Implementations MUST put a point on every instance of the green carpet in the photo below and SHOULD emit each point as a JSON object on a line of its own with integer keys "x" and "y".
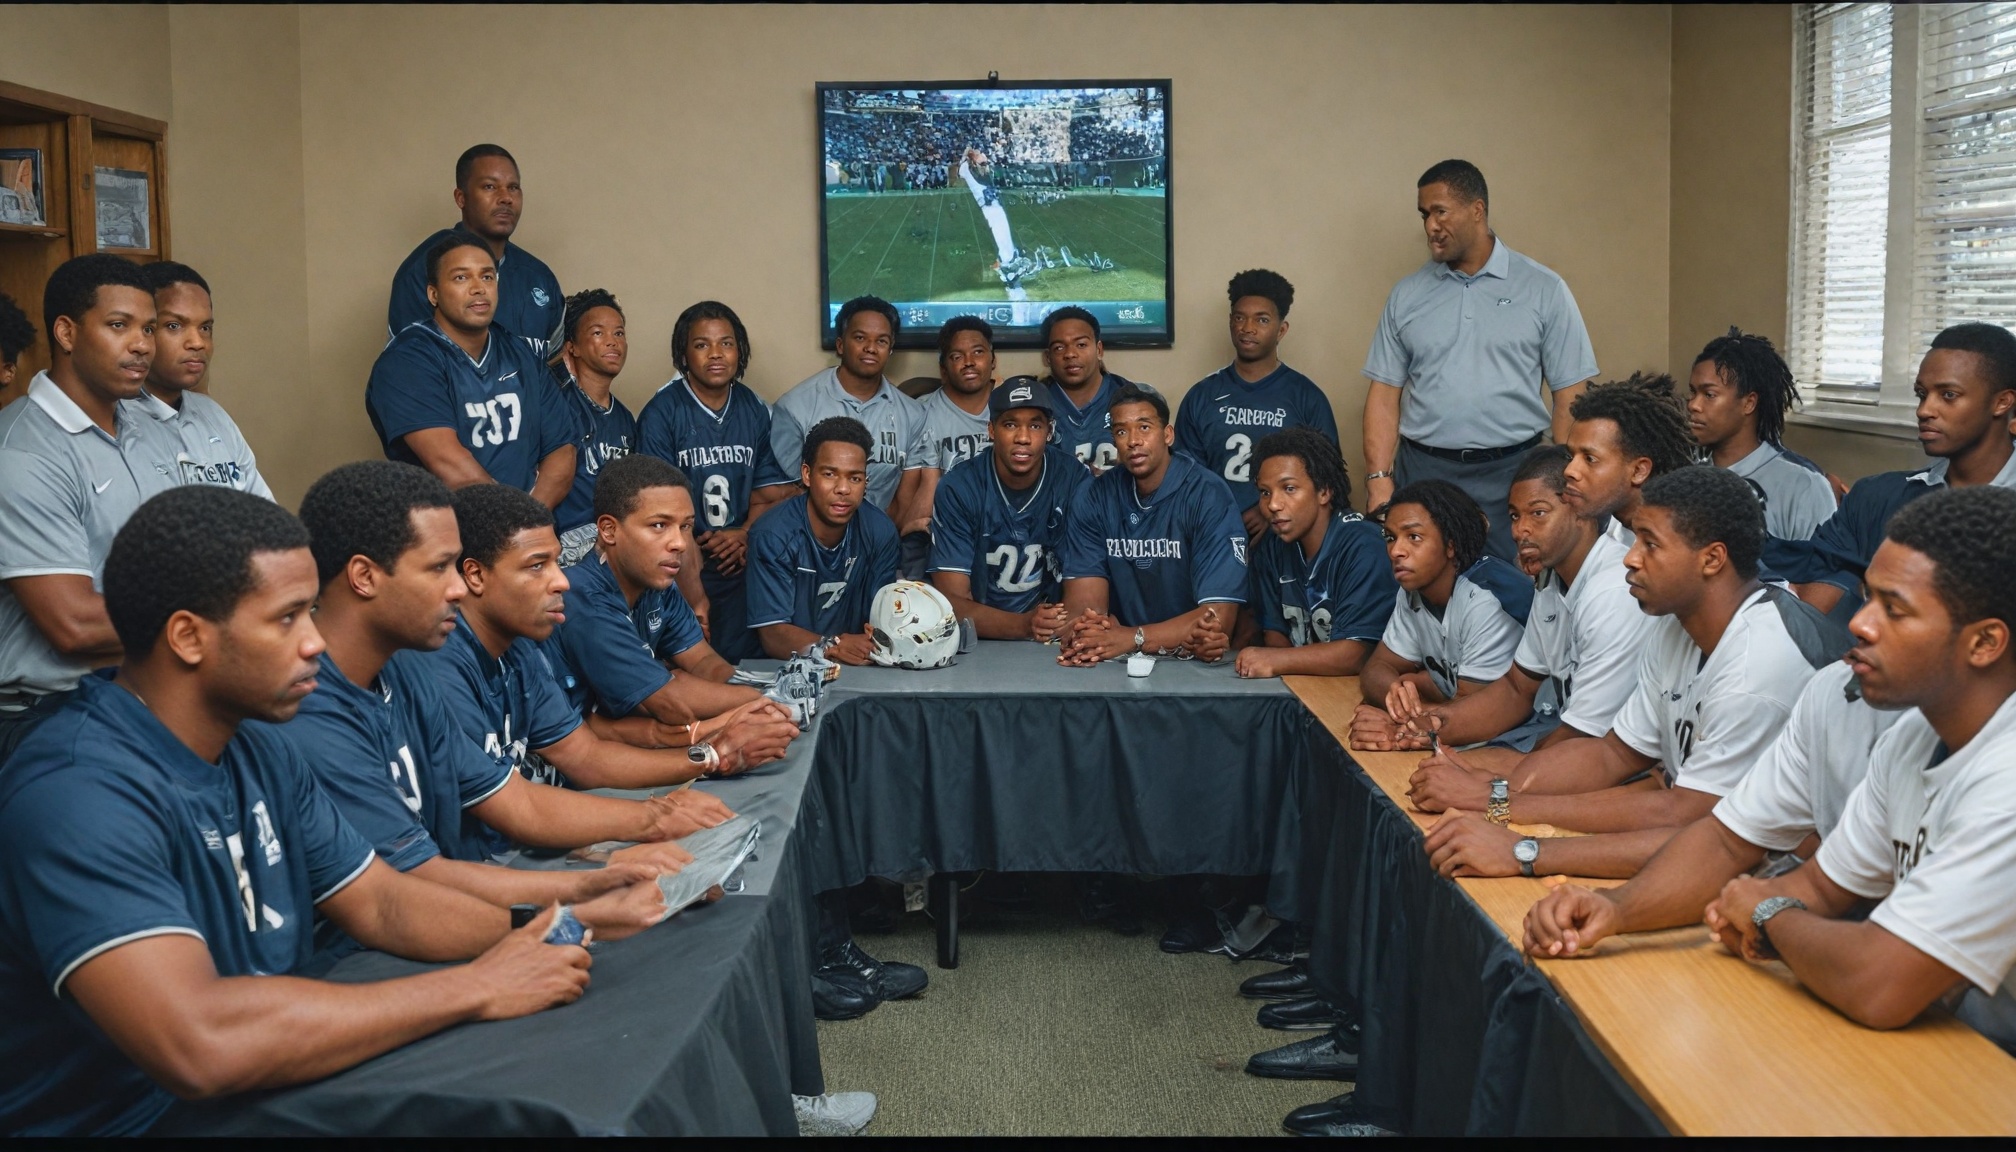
{"x": 1049, "y": 1027}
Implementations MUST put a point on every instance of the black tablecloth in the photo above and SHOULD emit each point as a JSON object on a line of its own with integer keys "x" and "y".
{"x": 1008, "y": 761}
{"x": 1459, "y": 1036}
{"x": 700, "y": 1026}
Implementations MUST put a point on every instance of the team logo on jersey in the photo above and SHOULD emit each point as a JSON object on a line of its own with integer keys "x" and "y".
{"x": 212, "y": 840}
{"x": 269, "y": 841}
{"x": 1239, "y": 548}
{"x": 539, "y": 297}
{"x": 654, "y": 621}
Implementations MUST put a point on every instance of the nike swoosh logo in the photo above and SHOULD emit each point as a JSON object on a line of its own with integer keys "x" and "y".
{"x": 100, "y": 488}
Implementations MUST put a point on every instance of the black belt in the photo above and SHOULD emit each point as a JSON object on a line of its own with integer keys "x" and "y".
{"x": 1474, "y": 455}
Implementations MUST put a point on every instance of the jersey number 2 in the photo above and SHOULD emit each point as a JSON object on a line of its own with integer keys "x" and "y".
{"x": 1031, "y": 564}
{"x": 1239, "y": 468}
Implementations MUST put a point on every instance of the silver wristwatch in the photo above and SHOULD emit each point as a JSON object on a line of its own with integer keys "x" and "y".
{"x": 1767, "y": 908}
{"x": 1526, "y": 852}
{"x": 705, "y": 757}
{"x": 1140, "y": 639}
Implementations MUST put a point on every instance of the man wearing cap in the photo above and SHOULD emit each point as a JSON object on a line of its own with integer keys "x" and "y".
{"x": 1000, "y": 516}
{"x": 1461, "y": 353}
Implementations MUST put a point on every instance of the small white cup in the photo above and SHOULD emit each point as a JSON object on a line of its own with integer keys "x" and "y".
{"x": 1140, "y": 664}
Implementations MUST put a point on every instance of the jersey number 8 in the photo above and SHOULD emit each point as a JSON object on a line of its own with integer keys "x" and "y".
{"x": 714, "y": 496}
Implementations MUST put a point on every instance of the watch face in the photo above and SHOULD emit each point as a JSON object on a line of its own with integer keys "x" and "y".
{"x": 697, "y": 753}
{"x": 1526, "y": 851}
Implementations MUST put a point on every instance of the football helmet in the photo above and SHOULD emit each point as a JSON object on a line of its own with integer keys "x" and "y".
{"x": 913, "y": 626}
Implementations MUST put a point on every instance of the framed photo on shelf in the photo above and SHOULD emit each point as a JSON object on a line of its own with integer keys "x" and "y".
{"x": 21, "y": 187}
{"x": 123, "y": 218}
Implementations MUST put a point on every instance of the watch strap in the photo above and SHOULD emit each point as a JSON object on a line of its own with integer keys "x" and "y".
{"x": 1761, "y": 915}
{"x": 1526, "y": 865}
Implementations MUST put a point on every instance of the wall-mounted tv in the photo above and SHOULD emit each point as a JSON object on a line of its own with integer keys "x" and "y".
{"x": 1005, "y": 200}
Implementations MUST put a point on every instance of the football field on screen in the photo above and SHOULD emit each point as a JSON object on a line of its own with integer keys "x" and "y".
{"x": 934, "y": 245}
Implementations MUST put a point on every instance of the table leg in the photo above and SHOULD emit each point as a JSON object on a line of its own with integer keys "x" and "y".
{"x": 945, "y": 914}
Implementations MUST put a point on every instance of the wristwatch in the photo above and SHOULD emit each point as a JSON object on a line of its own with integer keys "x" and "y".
{"x": 1498, "y": 809}
{"x": 1140, "y": 639}
{"x": 1767, "y": 908}
{"x": 1385, "y": 475}
{"x": 704, "y": 755}
{"x": 1526, "y": 852}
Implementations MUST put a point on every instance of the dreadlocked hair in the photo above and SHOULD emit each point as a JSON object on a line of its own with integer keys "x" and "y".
{"x": 1650, "y": 421}
{"x": 585, "y": 301}
{"x": 1457, "y": 517}
{"x": 1320, "y": 459}
{"x": 1753, "y": 365}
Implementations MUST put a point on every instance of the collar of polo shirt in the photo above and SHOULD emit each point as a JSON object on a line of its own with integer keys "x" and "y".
{"x": 1495, "y": 266}
{"x": 53, "y": 400}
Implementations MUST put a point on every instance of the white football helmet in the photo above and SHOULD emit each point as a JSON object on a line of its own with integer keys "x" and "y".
{"x": 913, "y": 626}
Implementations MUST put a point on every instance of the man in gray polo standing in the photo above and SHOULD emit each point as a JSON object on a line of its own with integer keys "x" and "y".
{"x": 1462, "y": 351}
{"x": 74, "y": 464}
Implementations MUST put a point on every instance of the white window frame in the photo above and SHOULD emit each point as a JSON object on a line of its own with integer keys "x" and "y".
{"x": 1894, "y": 412}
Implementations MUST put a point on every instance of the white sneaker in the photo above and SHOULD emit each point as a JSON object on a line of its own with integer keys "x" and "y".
{"x": 835, "y": 1113}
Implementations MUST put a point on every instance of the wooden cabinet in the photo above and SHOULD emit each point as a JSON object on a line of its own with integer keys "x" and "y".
{"x": 74, "y": 139}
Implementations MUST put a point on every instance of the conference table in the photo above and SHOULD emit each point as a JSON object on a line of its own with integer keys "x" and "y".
{"x": 1007, "y": 761}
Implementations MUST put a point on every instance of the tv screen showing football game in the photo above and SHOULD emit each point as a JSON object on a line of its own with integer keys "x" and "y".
{"x": 1007, "y": 201}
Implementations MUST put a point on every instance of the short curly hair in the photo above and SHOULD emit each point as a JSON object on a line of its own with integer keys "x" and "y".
{"x": 844, "y": 430}
{"x": 1548, "y": 464}
{"x": 72, "y": 289}
{"x": 622, "y": 481}
{"x": 489, "y": 515}
{"x": 1320, "y": 459}
{"x": 1712, "y": 505}
{"x": 1464, "y": 527}
{"x": 1262, "y": 282}
{"x": 190, "y": 549}
{"x": 1969, "y": 534}
{"x": 1649, "y": 418}
{"x": 17, "y": 332}
{"x": 583, "y": 302}
{"x": 960, "y": 324}
{"x": 366, "y": 509}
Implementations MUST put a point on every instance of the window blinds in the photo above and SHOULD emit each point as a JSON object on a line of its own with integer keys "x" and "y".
{"x": 1964, "y": 229}
{"x": 1841, "y": 203}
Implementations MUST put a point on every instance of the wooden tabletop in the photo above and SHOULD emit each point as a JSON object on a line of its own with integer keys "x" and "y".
{"x": 1715, "y": 1045}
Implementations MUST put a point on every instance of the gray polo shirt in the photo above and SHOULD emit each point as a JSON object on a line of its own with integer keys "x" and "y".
{"x": 895, "y": 421}
{"x": 212, "y": 450}
{"x": 66, "y": 488}
{"x": 951, "y": 433}
{"x": 1472, "y": 352}
{"x": 1796, "y": 495}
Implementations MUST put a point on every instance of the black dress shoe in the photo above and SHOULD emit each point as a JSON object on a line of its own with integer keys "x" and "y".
{"x": 1310, "y": 1014}
{"x": 885, "y": 979}
{"x": 835, "y": 1000}
{"x": 1290, "y": 983}
{"x": 1337, "y": 1116}
{"x": 1195, "y": 934}
{"x": 1331, "y": 1056}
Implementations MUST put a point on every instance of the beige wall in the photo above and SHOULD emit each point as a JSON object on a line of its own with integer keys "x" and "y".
{"x": 110, "y": 54}
{"x": 1732, "y": 159}
{"x": 669, "y": 154}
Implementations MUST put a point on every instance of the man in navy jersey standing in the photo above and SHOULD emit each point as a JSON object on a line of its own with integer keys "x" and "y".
{"x": 597, "y": 347}
{"x": 1155, "y": 558}
{"x": 1226, "y": 412}
{"x": 817, "y": 560}
{"x": 712, "y": 427}
{"x": 1080, "y": 387}
{"x": 162, "y": 860}
{"x": 1000, "y": 519}
{"x": 529, "y": 303}
{"x": 459, "y": 397}
{"x": 1323, "y": 588}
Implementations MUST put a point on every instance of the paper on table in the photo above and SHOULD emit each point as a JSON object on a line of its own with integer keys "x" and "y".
{"x": 717, "y": 853}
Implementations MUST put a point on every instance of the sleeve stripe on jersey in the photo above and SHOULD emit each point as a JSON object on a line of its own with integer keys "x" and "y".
{"x": 347, "y": 880}
{"x": 117, "y": 942}
{"x": 502, "y": 780}
{"x": 950, "y": 568}
{"x": 18, "y": 573}
{"x": 768, "y": 623}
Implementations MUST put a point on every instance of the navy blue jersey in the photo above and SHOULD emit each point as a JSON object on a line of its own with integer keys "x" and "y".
{"x": 529, "y": 301}
{"x": 1162, "y": 557}
{"x": 614, "y": 651}
{"x": 503, "y": 407}
{"x": 393, "y": 760}
{"x": 510, "y": 708}
{"x": 111, "y": 831}
{"x": 1087, "y": 432}
{"x": 725, "y": 455}
{"x": 600, "y": 435}
{"x": 1222, "y": 417}
{"x": 1346, "y": 593}
{"x": 1006, "y": 541}
{"x": 794, "y": 579}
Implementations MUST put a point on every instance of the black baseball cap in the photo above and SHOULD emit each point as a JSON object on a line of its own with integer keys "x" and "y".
{"x": 1020, "y": 392}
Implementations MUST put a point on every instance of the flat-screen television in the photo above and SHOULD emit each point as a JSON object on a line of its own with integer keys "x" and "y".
{"x": 1003, "y": 200}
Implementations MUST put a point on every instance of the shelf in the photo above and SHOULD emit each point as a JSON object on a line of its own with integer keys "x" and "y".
{"x": 39, "y": 231}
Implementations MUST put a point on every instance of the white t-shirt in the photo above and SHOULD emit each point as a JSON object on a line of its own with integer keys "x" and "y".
{"x": 1820, "y": 757}
{"x": 1707, "y": 719}
{"x": 1934, "y": 843}
{"x": 1477, "y": 632}
{"x": 1583, "y": 640}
